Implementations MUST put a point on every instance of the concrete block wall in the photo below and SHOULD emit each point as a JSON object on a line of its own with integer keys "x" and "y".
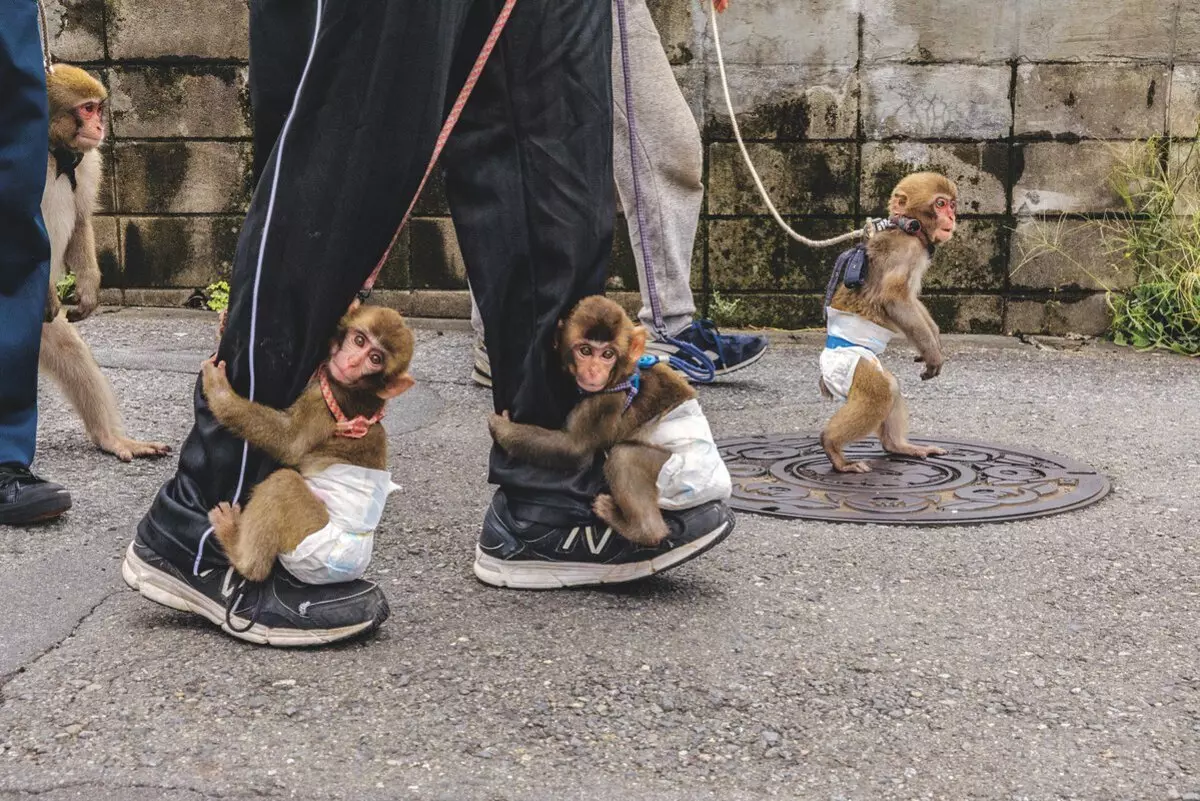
{"x": 1027, "y": 104}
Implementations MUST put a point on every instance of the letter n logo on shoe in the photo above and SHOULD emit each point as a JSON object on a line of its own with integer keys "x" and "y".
{"x": 589, "y": 537}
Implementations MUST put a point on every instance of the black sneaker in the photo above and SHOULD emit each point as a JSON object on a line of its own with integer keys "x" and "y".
{"x": 727, "y": 352}
{"x": 535, "y": 556}
{"x": 280, "y": 611}
{"x": 25, "y": 498}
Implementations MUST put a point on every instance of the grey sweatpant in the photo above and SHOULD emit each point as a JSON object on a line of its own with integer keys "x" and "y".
{"x": 669, "y": 162}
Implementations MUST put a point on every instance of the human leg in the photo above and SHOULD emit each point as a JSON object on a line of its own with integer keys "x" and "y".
{"x": 658, "y": 167}
{"x": 350, "y": 154}
{"x": 24, "y": 264}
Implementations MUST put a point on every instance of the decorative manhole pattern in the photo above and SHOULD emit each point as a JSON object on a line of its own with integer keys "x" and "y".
{"x": 790, "y": 476}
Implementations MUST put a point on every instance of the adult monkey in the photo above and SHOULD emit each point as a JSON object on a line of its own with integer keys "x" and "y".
{"x": 862, "y": 319}
{"x": 645, "y": 417}
{"x": 73, "y": 172}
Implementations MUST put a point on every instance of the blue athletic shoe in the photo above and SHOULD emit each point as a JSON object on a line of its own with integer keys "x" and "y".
{"x": 727, "y": 352}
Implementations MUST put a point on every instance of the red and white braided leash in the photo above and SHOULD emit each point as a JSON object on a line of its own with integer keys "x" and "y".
{"x": 444, "y": 135}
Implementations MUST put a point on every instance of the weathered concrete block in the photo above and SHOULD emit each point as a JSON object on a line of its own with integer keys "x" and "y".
{"x": 1091, "y": 30}
{"x": 75, "y": 29}
{"x": 769, "y": 310}
{"x": 973, "y": 259}
{"x": 433, "y": 202}
{"x": 936, "y": 101}
{"x": 1183, "y": 116}
{"x": 966, "y": 314}
{"x": 1099, "y": 101}
{"x": 1088, "y": 315}
{"x": 939, "y": 30}
{"x": 106, "y": 201}
{"x": 178, "y": 251}
{"x": 108, "y": 251}
{"x": 435, "y": 262}
{"x": 770, "y": 32}
{"x": 755, "y": 254}
{"x": 810, "y": 178}
{"x": 443, "y": 304}
{"x": 692, "y": 80}
{"x": 185, "y": 101}
{"x": 1061, "y": 177}
{"x": 177, "y": 29}
{"x": 787, "y": 102}
{"x": 980, "y": 170}
{"x": 675, "y": 28}
{"x": 1187, "y": 34}
{"x": 182, "y": 177}
{"x": 395, "y": 272}
{"x": 1062, "y": 254}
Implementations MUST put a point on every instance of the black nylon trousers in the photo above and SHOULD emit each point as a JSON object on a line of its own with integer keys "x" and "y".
{"x": 529, "y": 176}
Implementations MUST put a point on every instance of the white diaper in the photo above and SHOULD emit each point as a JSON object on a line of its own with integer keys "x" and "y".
{"x": 866, "y": 340}
{"x": 838, "y": 365}
{"x": 695, "y": 473}
{"x": 341, "y": 550}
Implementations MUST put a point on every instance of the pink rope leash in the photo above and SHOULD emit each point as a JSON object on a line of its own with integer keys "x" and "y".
{"x": 444, "y": 135}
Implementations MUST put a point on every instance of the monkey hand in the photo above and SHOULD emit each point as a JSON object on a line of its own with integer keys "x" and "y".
{"x": 85, "y": 307}
{"x": 500, "y": 427}
{"x": 215, "y": 381}
{"x": 932, "y": 367}
{"x": 52, "y": 305}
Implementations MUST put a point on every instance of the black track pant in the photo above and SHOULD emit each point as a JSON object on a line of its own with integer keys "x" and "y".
{"x": 529, "y": 176}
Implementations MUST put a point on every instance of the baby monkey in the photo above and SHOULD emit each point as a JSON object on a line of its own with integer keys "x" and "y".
{"x": 861, "y": 320}
{"x": 642, "y": 413}
{"x": 317, "y": 512}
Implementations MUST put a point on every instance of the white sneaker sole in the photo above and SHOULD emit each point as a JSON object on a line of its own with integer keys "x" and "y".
{"x": 171, "y": 592}
{"x": 536, "y": 575}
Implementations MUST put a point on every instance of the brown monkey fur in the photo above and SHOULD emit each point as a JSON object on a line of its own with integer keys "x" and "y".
{"x": 76, "y": 132}
{"x": 600, "y": 422}
{"x": 890, "y": 298}
{"x": 282, "y": 510}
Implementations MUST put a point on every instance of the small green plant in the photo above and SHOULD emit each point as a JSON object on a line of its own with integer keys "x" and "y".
{"x": 1159, "y": 238}
{"x": 722, "y": 310}
{"x": 1155, "y": 238}
{"x": 65, "y": 287}
{"x": 217, "y": 295}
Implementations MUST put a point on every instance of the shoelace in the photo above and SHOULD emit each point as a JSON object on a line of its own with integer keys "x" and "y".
{"x": 17, "y": 473}
{"x": 235, "y": 596}
{"x": 691, "y": 360}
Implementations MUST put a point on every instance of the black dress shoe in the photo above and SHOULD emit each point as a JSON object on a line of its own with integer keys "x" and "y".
{"x": 25, "y": 498}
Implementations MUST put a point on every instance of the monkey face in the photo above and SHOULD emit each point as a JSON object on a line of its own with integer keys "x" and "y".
{"x": 90, "y": 130}
{"x": 357, "y": 356}
{"x": 592, "y": 364}
{"x": 945, "y": 209}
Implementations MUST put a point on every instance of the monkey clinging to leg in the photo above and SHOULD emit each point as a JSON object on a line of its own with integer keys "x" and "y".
{"x": 77, "y": 102}
{"x": 660, "y": 449}
{"x": 862, "y": 318}
{"x": 318, "y": 512}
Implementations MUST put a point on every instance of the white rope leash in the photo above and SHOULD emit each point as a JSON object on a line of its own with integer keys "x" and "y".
{"x": 737, "y": 134}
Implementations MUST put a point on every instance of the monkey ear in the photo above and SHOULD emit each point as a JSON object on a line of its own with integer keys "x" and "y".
{"x": 637, "y": 343}
{"x": 899, "y": 203}
{"x": 400, "y": 384}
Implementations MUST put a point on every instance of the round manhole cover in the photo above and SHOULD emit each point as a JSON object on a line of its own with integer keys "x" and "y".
{"x": 790, "y": 476}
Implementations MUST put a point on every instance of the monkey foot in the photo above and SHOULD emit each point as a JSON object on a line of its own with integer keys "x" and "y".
{"x": 920, "y": 451}
{"x": 127, "y": 449}
{"x": 853, "y": 467}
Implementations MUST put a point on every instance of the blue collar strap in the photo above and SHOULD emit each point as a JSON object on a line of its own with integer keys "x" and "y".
{"x": 629, "y": 386}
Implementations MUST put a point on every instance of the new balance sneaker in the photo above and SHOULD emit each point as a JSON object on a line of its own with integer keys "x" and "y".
{"x": 482, "y": 372}
{"x": 728, "y": 352}
{"x": 280, "y": 611}
{"x": 25, "y": 498}
{"x": 535, "y": 556}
